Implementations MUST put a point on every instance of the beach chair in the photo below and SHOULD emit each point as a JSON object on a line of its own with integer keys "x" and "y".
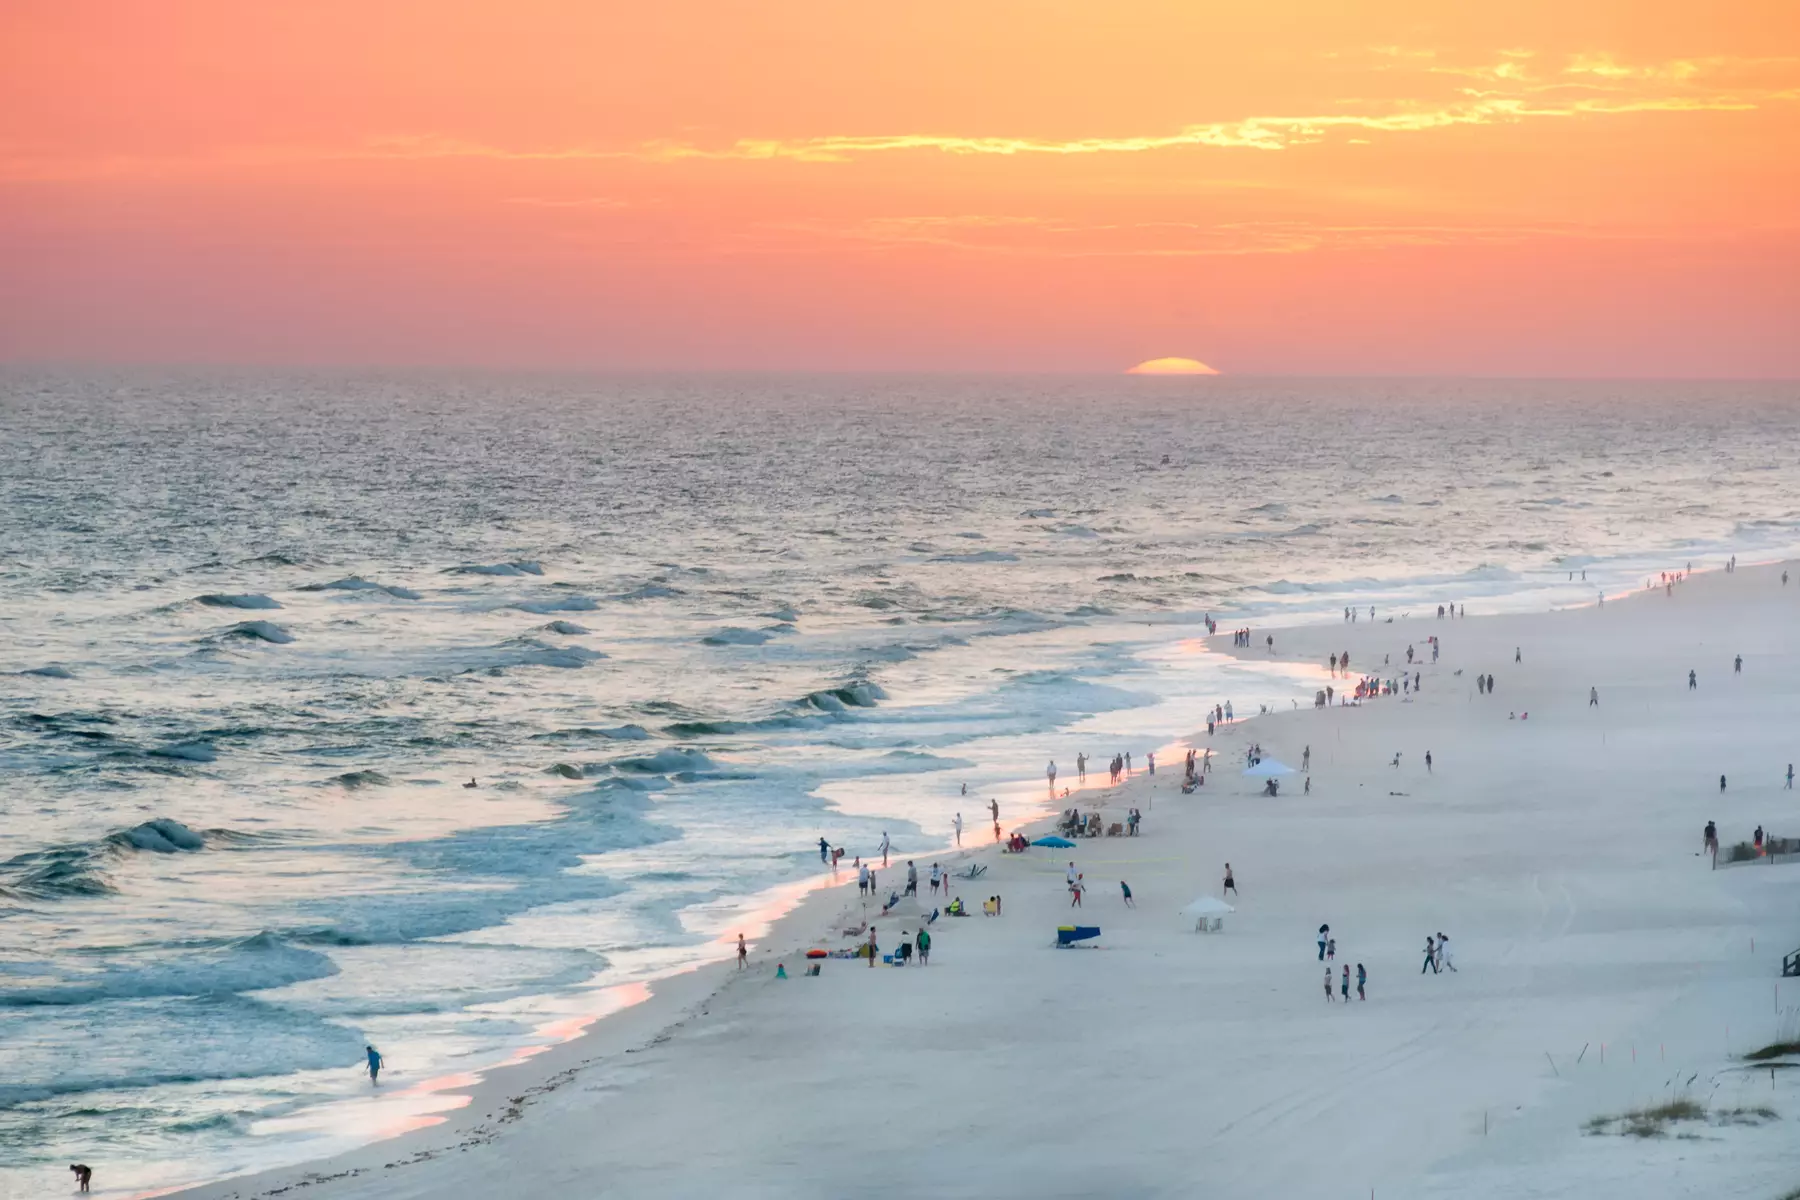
{"x": 975, "y": 871}
{"x": 1115, "y": 829}
{"x": 988, "y": 909}
{"x": 1068, "y": 935}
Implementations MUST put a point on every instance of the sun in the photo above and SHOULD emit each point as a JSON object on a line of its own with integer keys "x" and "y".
{"x": 1172, "y": 366}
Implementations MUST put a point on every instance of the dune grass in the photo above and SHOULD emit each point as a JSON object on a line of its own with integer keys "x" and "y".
{"x": 1656, "y": 1120}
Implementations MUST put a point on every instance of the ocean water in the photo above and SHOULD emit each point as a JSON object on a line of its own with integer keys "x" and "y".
{"x": 256, "y": 630}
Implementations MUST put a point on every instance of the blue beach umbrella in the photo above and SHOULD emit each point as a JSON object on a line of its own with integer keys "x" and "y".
{"x": 1054, "y": 842}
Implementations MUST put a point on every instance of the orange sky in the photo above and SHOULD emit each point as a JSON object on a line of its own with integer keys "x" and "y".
{"x": 1584, "y": 187}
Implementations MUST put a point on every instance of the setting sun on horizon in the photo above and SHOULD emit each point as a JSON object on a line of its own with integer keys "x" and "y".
{"x": 1172, "y": 366}
{"x": 1307, "y": 186}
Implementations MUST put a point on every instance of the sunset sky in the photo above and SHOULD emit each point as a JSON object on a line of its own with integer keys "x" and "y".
{"x": 1577, "y": 187}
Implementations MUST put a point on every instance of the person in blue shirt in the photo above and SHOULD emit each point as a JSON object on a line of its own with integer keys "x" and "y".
{"x": 374, "y": 1064}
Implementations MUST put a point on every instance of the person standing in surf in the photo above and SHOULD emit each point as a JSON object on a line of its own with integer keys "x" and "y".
{"x": 1050, "y": 774}
{"x": 375, "y": 1064}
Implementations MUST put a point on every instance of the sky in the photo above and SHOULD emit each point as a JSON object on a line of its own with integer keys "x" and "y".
{"x": 1568, "y": 188}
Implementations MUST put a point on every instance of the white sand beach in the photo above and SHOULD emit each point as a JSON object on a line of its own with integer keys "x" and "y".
{"x": 1602, "y": 964}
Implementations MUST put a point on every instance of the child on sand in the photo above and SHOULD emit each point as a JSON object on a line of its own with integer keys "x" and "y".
{"x": 1328, "y": 985}
{"x": 1345, "y": 993}
{"x": 1362, "y": 977}
{"x": 743, "y": 952}
{"x": 1126, "y": 888}
{"x": 1075, "y": 890}
{"x": 1230, "y": 881}
{"x": 1430, "y": 956}
{"x": 1331, "y": 950}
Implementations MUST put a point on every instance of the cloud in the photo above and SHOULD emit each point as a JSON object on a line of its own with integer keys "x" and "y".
{"x": 1520, "y": 86}
{"x": 1050, "y": 237}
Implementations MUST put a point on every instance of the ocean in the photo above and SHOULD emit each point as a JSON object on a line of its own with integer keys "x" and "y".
{"x": 257, "y": 630}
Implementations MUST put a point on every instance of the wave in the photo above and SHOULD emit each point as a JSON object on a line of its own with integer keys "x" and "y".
{"x": 566, "y": 628}
{"x": 732, "y": 635}
{"x": 353, "y": 780}
{"x": 652, "y": 591}
{"x": 247, "y": 965}
{"x": 159, "y": 834}
{"x": 356, "y": 583}
{"x": 529, "y": 652}
{"x": 126, "y": 1044}
{"x": 261, "y": 631}
{"x": 200, "y": 752}
{"x": 978, "y": 556}
{"x": 1038, "y": 514}
{"x": 533, "y": 864}
{"x": 75, "y": 871}
{"x": 506, "y": 568}
{"x": 784, "y": 615}
{"x": 226, "y": 600}
{"x": 665, "y": 762}
{"x": 851, "y": 695}
{"x": 564, "y": 770}
{"x": 557, "y": 604}
{"x": 615, "y": 733}
{"x": 51, "y": 671}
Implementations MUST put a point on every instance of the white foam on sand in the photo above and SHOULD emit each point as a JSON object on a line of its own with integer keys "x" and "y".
{"x": 1601, "y": 964}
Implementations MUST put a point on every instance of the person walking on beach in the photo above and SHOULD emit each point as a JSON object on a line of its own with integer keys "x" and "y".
{"x": 1692, "y": 682}
{"x": 912, "y": 878}
{"x": 862, "y": 880}
{"x": 1050, "y": 774}
{"x": 936, "y": 878}
{"x": 1737, "y": 666}
{"x": 1428, "y": 762}
{"x": 743, "y": 953}
{"x": 884, "y": 848}
{"x": 1230, "y": 882}
{"x": 1362, "y": 977}
{"x": 1443, "y": 953}
{"x": 1430, "y": 956}
{"x": 1328, "y": 985}
{"x": 1306, "y": 759}
{"x": 1152, "y": 759}
{"x": 1721, "y": 784}
{"x": 1324, "y": 935}
{"x": 1075, "y": 890}
{"x": 375, "y": 1064}
{"x": 874, "y": 947}
{"x": 1126, "y": 888}
{"x": 1518, "y": 657}
{"x": 1593, "y": 697}
{"x": 1081, "y": 768}
{"x": 824, "y": 850}
{"x": 1790, "y": 777}
{"x": 994, "y": 810}
{"x": 924, "y": 943}
{"x": 1709, "y": 841}
{"x": 958, "y": 825}
{"x": 1345, "y": 985}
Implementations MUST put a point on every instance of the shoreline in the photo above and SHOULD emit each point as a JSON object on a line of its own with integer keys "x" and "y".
{"x": 505, "y": 1095}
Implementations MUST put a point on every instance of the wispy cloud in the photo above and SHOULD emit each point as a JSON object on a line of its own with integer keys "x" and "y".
{"x": 1051, "y": 237}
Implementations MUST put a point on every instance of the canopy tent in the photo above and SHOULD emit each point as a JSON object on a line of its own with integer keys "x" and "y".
{"x": 1208, "y": 913}
{"x": 1268, "y": 768}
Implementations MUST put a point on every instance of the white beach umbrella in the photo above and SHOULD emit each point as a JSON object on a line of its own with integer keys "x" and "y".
{"x": 1208, "y": 912}
{"x": 1268, "y": 768}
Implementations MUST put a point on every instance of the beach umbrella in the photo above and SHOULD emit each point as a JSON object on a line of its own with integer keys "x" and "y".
{"x": 1268, "y": 768}
{"x": 1054, "y": 842}
{"x": 1207, "y": 909}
